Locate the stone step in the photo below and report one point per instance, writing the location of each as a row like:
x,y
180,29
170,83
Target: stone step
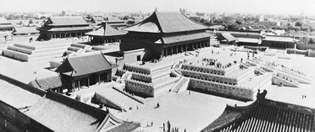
x,y
182,84
155,77
281,81
166,86
160,80
166,81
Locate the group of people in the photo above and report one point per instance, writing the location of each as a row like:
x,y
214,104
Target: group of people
x,y
168,128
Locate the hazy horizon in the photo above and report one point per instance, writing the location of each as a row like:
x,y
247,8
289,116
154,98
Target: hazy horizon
x,y
290,7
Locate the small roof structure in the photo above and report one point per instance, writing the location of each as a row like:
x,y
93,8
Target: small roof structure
x,y
291,117
109,32
5,24
228,37
249,40
4,21
25,30
280,39
84,64
66,20
47,83
166,22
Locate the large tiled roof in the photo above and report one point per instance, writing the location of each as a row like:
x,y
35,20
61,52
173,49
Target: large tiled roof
x,y
66,20
84,64
166,22
264,116
109,31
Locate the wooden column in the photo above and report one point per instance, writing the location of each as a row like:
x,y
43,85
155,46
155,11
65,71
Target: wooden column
x,y
88,79
166,53
99,78
73,84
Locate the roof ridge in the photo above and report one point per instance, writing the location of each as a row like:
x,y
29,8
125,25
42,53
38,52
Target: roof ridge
x,y
158,22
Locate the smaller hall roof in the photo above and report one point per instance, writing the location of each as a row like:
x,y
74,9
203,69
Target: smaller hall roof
x,y
166,22
4,21
85,28
5,24
109,31
66,20
280,39
228,37
84,64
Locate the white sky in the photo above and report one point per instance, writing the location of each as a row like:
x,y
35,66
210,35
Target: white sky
x,y
230,6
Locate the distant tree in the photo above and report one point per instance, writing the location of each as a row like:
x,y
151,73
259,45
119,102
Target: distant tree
x,y
63,13
30,21
130,22
238,22
298,24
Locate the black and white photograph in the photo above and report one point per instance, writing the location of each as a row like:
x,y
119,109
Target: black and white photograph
x,y
157,66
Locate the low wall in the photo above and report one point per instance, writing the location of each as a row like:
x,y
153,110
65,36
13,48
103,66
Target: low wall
x,y
23,85
11,119
84,108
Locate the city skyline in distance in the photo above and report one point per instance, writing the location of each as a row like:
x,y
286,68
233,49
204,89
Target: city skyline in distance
x,y
282,7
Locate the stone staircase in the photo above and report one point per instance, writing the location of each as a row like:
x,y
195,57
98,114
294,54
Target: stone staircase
x,y
160,77
181,85
213,40
284,81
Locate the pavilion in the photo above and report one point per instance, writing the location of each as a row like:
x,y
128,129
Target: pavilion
x,y
165,33
63,27
85,70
